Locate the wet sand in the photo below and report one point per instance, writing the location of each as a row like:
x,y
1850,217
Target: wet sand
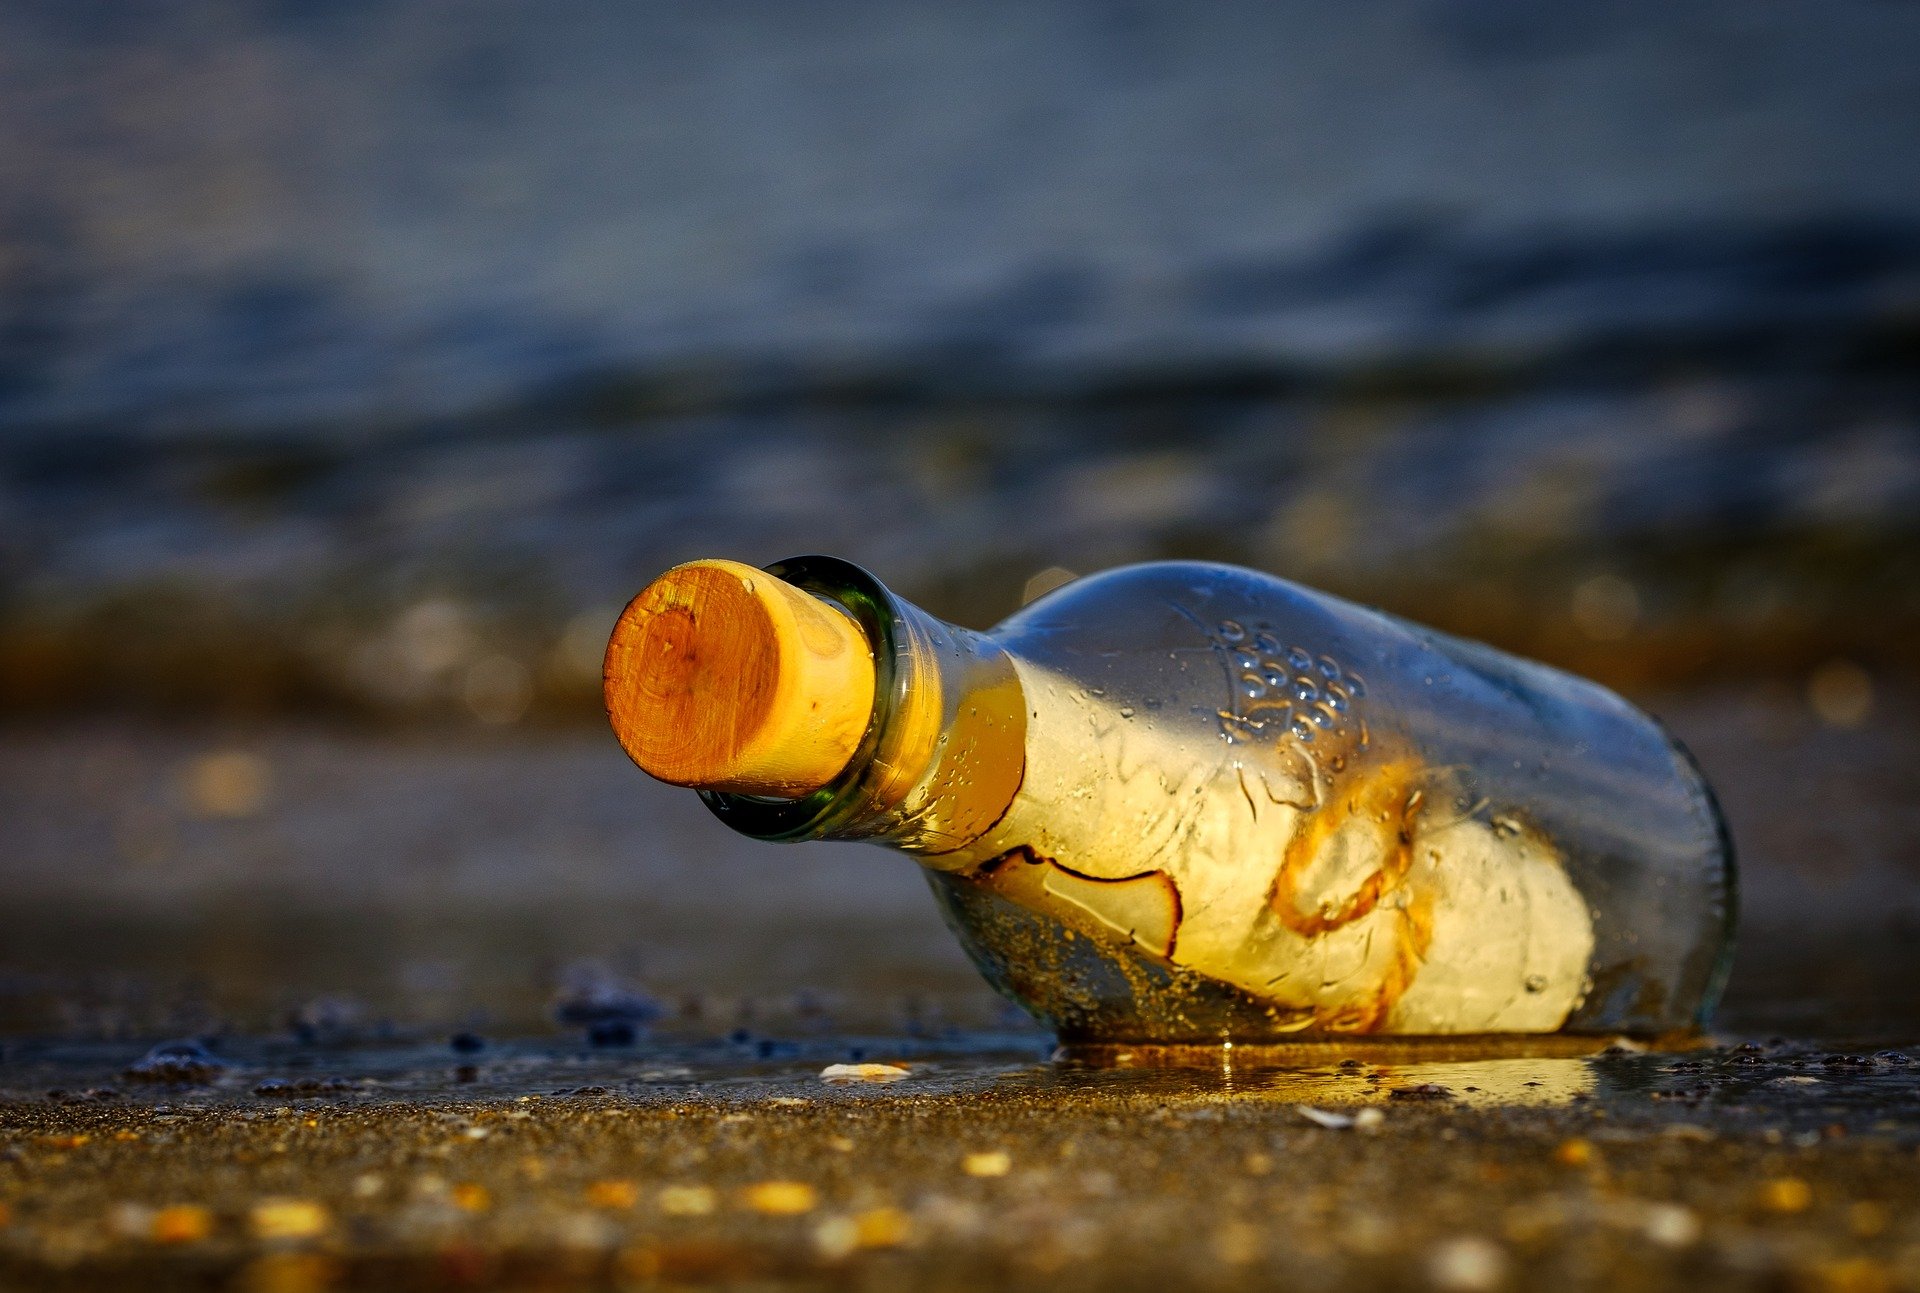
x,y
1756,1166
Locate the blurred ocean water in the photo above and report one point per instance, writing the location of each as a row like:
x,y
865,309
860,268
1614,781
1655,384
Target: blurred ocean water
x,y
1695,526
369,356
259,213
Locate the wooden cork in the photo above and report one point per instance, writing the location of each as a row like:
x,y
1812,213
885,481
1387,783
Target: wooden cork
x,y
722,677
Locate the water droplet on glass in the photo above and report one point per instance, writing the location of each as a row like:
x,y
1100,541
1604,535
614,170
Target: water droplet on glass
x,y
1274,677
1245,660
1266,644
1299,657
1301,729
1320,718
1355,687
1251,687
1304,689
1329,667
1231,631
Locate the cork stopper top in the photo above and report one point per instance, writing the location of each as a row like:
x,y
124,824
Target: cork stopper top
x,y
723,677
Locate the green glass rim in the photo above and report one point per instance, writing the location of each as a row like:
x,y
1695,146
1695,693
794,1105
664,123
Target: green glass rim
x,y
877,613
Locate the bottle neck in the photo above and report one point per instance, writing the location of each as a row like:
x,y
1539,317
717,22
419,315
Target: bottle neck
x,y
945,750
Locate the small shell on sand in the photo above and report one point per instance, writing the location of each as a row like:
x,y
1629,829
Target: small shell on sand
x,y
1363,1120
863,1073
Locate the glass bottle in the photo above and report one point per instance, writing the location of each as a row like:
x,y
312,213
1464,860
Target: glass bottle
x,y
1186,802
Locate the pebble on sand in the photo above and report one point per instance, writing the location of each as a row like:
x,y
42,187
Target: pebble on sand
x,y
882,1227
1574,1153
288,1219
181,1223
617,1195
863,1073
840,1236
130,1220
687,1200
182,1063
781,1198
1671,1225
836,1237
1786,1194
1468,1264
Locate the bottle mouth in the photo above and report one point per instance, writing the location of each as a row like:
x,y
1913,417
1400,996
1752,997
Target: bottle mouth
x,y
834,807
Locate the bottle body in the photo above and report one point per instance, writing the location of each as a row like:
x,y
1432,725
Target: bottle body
x,y
1186,802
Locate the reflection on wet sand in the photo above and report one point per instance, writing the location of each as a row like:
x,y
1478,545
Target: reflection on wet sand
x,y
1542,1080
1485,1072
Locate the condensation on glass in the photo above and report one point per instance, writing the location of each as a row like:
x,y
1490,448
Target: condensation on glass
x,y
1189,802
